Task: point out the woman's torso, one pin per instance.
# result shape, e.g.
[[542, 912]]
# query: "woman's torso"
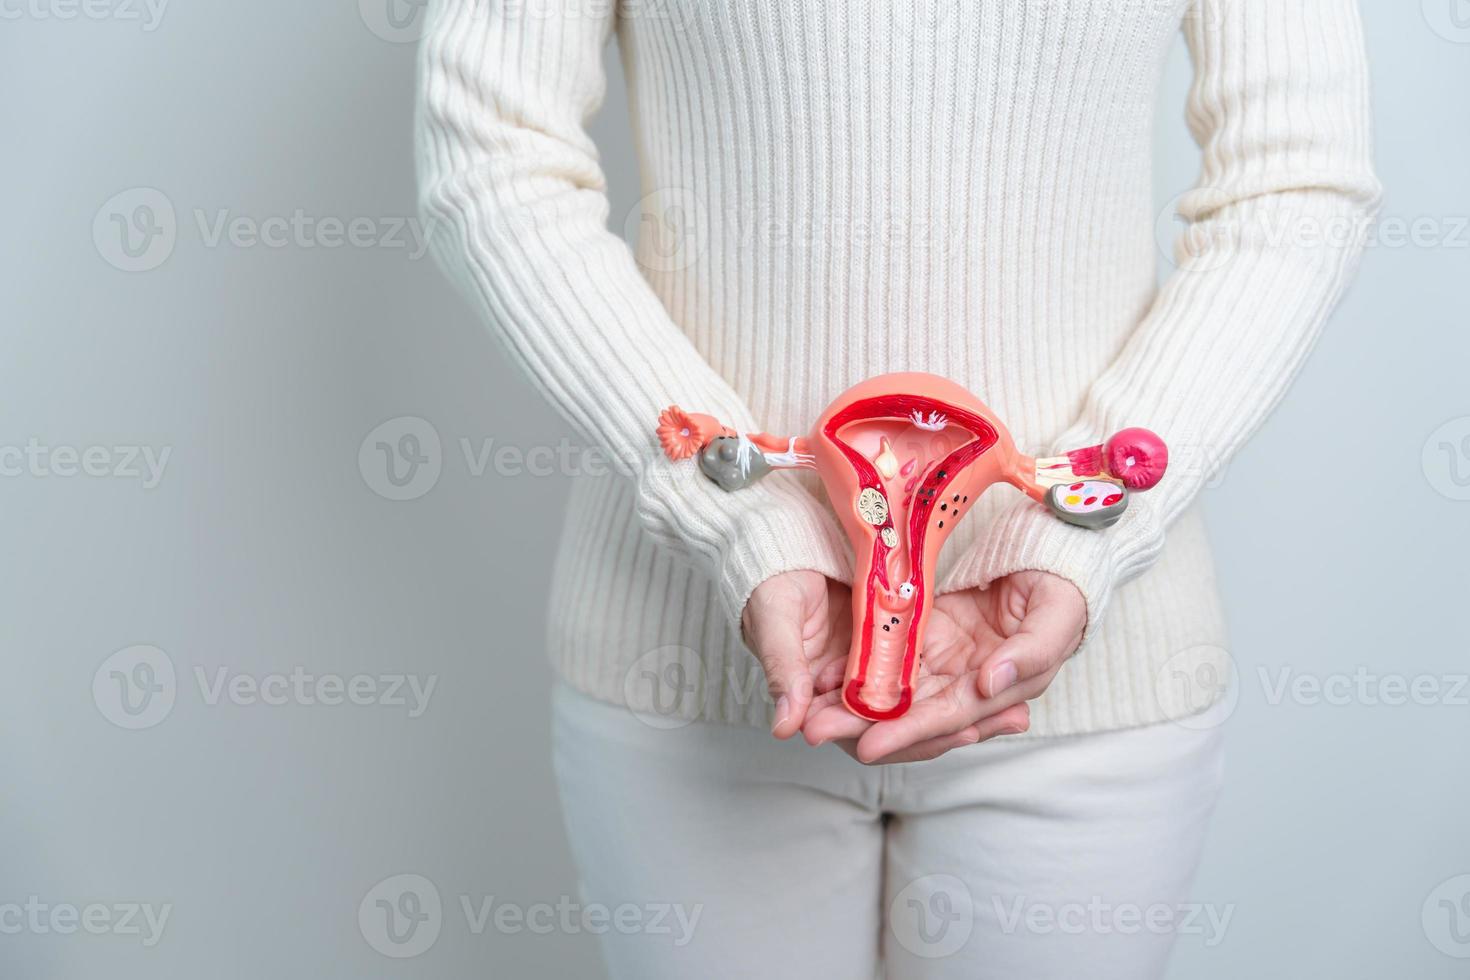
[[841, 189], [835, 190]]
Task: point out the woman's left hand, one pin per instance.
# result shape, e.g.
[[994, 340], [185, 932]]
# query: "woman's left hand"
[[986, 653]]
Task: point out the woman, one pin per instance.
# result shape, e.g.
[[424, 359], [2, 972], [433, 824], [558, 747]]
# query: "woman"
[[855, 188]]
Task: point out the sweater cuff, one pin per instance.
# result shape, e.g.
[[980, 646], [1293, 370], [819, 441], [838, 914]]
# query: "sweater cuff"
[[789, 532], [1028, 537]]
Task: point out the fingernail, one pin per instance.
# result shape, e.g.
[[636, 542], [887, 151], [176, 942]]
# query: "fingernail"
[[783, 711], [1002, 676]]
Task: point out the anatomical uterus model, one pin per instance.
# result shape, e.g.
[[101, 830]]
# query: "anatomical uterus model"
[[903, 457]]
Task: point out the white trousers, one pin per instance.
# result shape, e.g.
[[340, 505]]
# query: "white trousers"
[[728, 854]]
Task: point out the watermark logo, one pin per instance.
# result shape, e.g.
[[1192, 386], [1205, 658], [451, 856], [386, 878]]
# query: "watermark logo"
[[1450, 19], [1446, 917], [668, 225], [136, 687], [665, 687], [932, 916], [401, 916], [135, 230], [402, 458], [395, 21], [1193, 681], [1198, 246], [1446, 459]]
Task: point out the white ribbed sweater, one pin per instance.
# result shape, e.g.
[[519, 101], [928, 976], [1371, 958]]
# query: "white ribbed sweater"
[[841, 188]]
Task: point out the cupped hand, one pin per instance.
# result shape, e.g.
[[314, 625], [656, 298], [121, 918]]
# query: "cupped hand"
[[986, 653], [798, 624]]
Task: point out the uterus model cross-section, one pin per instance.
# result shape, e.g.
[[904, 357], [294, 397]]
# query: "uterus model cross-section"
[[903, 457]]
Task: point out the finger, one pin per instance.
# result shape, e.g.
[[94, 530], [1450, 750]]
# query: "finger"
[[829, 719], [831, 675], [944, 713], [931, 749], [776, 636], [1045, 638], [1012, 721]]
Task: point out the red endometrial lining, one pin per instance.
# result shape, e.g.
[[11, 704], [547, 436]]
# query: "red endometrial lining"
[[914, 481]]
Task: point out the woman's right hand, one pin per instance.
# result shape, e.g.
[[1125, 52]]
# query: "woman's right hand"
[[798, 624]]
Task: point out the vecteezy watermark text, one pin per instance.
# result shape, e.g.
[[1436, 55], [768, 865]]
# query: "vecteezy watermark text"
[[1099, 917], [39, 918], [147, 14], [137, 229], [137, 688], [402, 458], [305, 688], [567, 916], [36, 459], [403, 915], [1364, 687]]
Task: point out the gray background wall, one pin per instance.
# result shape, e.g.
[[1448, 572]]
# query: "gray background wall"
[[263, 548]]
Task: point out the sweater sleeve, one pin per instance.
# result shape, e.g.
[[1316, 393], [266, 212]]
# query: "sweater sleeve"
[[1275, 225], [515, 203]]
